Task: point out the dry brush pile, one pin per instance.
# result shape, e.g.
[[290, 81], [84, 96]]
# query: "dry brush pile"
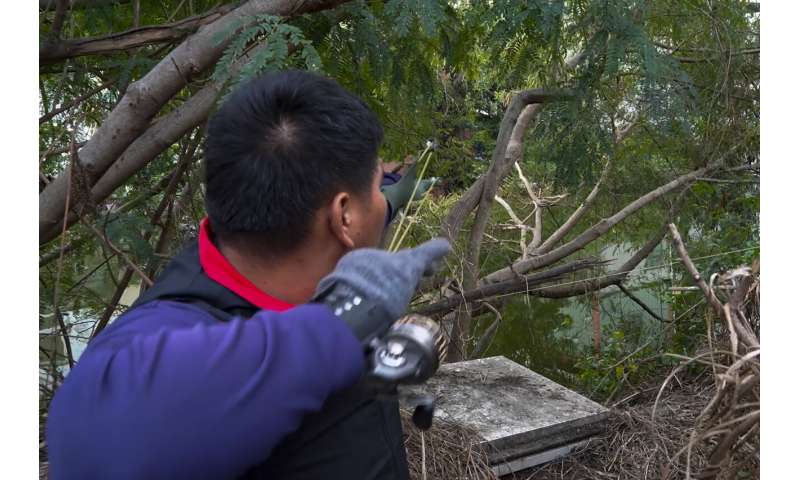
[[696, 423]]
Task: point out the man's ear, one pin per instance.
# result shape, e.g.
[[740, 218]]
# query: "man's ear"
[[341, 219]]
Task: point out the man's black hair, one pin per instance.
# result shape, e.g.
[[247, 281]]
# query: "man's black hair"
[[279, 148]]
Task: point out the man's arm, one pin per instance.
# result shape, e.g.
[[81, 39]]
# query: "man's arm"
[[196, 398]]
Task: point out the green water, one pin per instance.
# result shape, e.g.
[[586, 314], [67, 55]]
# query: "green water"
[[550, 335]]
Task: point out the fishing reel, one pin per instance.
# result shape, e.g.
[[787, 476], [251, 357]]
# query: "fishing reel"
[[409, 353]]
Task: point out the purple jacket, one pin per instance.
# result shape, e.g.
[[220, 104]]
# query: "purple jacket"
[[170, 391], [167, 391]]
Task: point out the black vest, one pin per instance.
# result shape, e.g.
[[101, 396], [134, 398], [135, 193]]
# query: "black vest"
[[356, 435]]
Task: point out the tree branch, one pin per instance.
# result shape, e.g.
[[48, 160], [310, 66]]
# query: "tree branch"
[[573, 219], [698, 279], [145, 98], [506, 153], [583, 287], [161, 134], [639, 302], [76, 101], [169, 195], [133, 38], [597, 230], [517, 285], [485, 341], [49, 4]]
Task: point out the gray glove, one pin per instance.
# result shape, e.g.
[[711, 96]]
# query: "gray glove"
[[370, 289]]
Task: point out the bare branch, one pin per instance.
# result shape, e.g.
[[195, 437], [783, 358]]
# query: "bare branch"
[[506, 153], [566, 227], [76, 101], [54, 255], [485, 341], [100, 235], [169, 195], [591, 285], [698, 279], [639, 302], [537, 213], [573, 219], [517, 285], [597, 230]]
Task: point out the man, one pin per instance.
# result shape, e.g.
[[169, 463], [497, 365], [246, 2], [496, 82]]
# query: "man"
[[234, 364]]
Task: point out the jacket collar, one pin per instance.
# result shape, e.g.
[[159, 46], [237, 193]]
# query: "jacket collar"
[[219, 269]]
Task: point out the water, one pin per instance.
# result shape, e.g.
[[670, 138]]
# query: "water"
[[549, 335]]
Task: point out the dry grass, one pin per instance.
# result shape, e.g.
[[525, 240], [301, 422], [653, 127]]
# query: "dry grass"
[[634, 447], [450, 452]]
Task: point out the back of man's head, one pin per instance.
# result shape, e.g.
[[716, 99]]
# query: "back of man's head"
[[279, 148]]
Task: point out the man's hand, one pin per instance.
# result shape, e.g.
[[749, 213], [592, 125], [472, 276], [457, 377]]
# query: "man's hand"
[[370, 289], [400, 193]]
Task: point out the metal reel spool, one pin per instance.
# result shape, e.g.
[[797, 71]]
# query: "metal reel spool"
[[410, 352]]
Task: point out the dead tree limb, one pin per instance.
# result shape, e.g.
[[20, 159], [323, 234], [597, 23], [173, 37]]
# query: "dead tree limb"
[[145, 98], [517, 285], [590, 285], [594, 232], [696, 277], [485, 341], [567, 226], [129, 39], [505, 155], [573, 219], [469, 200], [639, 302]]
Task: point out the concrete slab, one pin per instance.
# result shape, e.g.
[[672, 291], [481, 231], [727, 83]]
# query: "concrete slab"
[[524, 418]]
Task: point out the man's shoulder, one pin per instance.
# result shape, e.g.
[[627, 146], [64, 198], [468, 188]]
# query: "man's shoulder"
[[153, 316]]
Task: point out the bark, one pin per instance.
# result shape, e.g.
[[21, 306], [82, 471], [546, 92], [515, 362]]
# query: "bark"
[[145, 98], [128, 39]]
